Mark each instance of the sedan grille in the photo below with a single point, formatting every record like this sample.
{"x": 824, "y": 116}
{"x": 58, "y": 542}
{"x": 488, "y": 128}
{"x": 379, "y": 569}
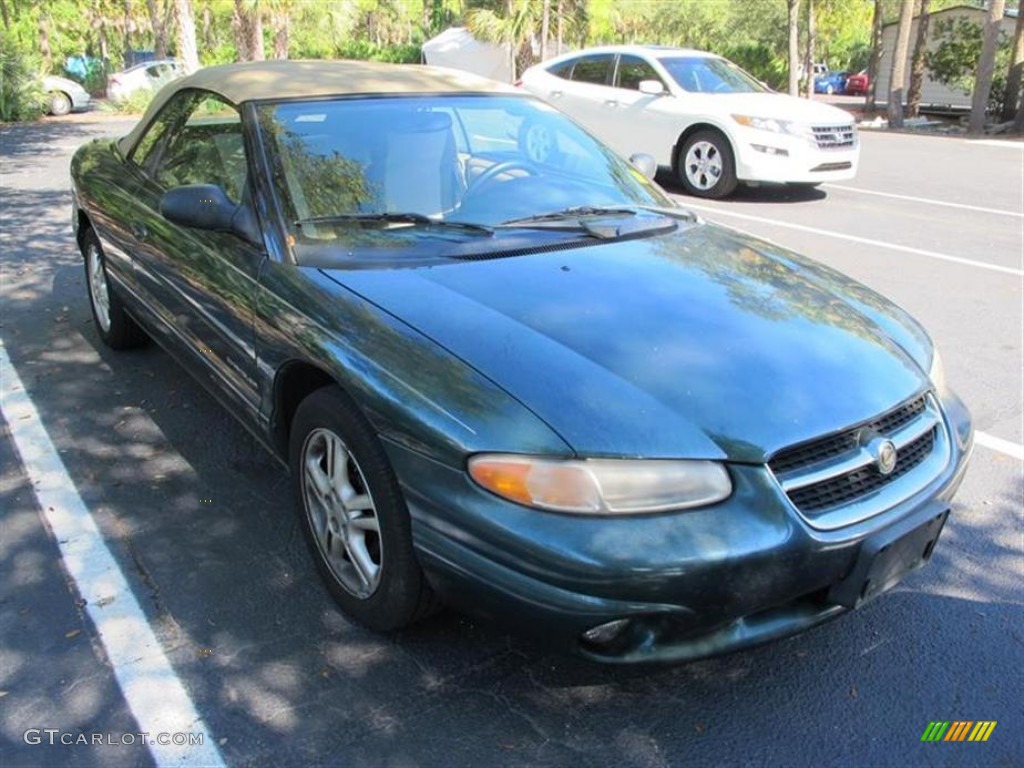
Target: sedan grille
{"x": 835, "y": 136}
{"x": 836, "y": 480}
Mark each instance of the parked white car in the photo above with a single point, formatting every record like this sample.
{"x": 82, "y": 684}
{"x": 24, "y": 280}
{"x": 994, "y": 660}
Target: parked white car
{"x": 699, "y": 114}
{"x": 63, "y": 95}
{"x": 151, "y": 74}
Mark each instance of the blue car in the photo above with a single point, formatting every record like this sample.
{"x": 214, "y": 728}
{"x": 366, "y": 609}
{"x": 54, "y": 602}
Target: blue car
{"x": 830, "y": 83}
{"x": 507, "y": 372}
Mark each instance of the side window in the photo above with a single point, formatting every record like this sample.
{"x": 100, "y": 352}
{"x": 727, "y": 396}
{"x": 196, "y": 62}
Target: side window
{"x": 563, "y": 70}
{"x": 633, "y": 69}
{"x": 147, "y": 151}
{"x": 593, "y": 69}
{"x": 207, "y": 149}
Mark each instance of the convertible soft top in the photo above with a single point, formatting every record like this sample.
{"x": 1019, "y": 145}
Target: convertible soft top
{"x": 255, "y": 81}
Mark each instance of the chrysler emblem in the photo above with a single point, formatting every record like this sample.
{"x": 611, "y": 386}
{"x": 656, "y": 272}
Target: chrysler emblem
{"x": 885, "y": 456}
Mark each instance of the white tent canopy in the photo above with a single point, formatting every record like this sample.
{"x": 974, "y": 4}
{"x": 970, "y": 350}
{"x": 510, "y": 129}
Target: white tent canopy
{"x": 458, "y": 49}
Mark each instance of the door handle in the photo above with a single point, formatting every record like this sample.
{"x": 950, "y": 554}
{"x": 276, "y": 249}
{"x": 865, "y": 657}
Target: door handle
{"x": 139, "y": 230}
{"x": 611, "y": 103}
{"x": 555, "y": 94}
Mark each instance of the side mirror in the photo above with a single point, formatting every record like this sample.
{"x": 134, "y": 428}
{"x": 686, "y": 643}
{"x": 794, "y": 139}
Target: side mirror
{"x": 644, "y": 163}
{"x": 651, "y": 87}
{"x": 206, "y": 206}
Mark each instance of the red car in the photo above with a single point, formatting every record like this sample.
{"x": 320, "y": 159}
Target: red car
{"x": 857, "y": 85}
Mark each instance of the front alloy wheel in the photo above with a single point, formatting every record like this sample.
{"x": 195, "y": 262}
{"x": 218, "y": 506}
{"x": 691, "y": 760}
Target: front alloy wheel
{"x": 706, "y": 166}
{"x": 341, "y": 513}
{"x": 353, "y": 514}
{"x": 116, "y": 328}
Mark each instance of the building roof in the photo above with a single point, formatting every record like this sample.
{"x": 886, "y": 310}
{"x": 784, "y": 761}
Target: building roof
{"x": 272, "y": 80}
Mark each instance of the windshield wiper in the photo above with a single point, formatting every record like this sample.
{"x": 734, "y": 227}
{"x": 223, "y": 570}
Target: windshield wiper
{"x": 388, "y": 217}
{"x": 576, "y": 212}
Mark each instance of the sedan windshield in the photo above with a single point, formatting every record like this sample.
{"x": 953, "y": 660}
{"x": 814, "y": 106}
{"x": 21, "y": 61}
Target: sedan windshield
{"x": 400, "y": 169}
{"x": 706, "y": 74}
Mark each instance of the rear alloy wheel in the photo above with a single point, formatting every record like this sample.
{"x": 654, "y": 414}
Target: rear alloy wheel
{"x": 353, "y": 514}
{"x": 116, "y": 328}
{"x": 706, "y": 166}
{"x": 60, "y": 103}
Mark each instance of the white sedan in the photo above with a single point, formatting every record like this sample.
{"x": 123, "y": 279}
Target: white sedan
{"x": 702, "y": 116}
{"x": 151, "y": 75}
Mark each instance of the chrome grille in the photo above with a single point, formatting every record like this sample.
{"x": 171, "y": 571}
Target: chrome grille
{"x": 834, "y": 136}
{"x": 834, "y": 480}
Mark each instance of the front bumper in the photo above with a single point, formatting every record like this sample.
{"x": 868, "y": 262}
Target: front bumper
{"x": 776, "y": 158}
{"x": 692, "y": 584}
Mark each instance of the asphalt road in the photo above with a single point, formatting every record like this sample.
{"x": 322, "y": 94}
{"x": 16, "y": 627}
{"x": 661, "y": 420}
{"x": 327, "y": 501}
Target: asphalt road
{"x": 198, "y": 519}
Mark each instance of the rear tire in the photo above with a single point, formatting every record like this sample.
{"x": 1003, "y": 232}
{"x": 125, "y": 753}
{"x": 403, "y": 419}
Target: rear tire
{"x": 116, "y": 328}
{"x": 706, "y": 165}
{"x": 353, "y": 514}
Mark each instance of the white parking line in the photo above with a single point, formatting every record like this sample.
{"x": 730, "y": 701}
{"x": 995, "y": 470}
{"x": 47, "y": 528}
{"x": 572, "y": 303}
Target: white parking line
{"x": 155, "y": 694}
{"x": 929, "y": 201}
{"x": 1013, "y": 450}
{"x": 855, "y": 239}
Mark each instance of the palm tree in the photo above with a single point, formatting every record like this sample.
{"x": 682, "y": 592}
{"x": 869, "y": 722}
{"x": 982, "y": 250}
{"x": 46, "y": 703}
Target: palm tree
{"x": 810, "y": 49}
{"x": 1013, "y": 104}
{"x": 248, "y": 24}
{"x": 794, "y": 47}
{"x": 159, "y": 22}
{"x": 898, "y": 74}
{"x": 875, "y": 62}
{"x": 516, "y": 28}
{"x": 986, "y": 65}
{"x": 187, "y": 51}
{"x": 917, "y": 59}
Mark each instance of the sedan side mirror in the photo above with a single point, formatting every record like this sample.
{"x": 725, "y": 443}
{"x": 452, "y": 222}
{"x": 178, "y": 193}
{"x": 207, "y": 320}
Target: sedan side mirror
{"x": 206, "y": 206}
{"x": 651, "y": 87}
{"x": 644, "y": 163}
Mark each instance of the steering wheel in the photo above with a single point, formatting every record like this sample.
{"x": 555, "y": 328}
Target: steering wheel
{"x": 488, "y": 176}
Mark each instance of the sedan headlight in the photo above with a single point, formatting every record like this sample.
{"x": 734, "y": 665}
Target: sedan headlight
{"x": 602, "y": 486}
{"x": 787, "y": 127}
{"x": 937, "y": 373}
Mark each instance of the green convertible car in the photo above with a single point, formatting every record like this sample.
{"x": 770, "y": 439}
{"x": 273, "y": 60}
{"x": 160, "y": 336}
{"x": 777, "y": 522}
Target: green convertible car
{"x": 506, "y": 371}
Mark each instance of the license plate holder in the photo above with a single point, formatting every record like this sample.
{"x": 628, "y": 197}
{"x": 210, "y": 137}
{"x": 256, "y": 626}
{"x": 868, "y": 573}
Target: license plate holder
{"x": 888, "y": 556}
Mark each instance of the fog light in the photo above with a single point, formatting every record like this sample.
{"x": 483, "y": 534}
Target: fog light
{"x": 603, "y": 634}
{"x": 771, "y": 150}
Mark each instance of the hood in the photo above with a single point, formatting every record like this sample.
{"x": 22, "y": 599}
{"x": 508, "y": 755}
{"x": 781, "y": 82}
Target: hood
{"x": 701, "y": 344}
{"x": 780, "y": 106}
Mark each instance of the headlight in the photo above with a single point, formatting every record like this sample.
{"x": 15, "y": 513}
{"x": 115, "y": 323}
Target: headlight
{"x": 937, "y": 373}
{"x": 775, "y": 126}
{"x": 601, "y": 486}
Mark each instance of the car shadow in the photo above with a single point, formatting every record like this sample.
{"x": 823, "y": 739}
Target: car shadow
{"x": 763, "y": 193}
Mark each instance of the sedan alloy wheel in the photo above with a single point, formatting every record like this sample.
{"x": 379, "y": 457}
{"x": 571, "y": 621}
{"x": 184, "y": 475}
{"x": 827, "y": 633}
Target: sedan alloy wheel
{"x": 706, "y": 166}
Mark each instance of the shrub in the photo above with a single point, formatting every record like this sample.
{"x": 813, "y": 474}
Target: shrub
{"x": 135, "y": 104}
{"x": 21, "y": 91}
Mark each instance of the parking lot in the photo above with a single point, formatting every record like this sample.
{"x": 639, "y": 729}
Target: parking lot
{"x": 198, "y": 519}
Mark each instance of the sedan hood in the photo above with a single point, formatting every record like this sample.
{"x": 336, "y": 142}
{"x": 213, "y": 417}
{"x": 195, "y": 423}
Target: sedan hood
{"x": 702, "y": 344}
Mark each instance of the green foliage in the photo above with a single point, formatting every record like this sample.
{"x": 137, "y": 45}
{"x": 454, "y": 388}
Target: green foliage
{"x": 366, "y": 51}
{"x": 954, "y": 61}
{"x": 135, "y": 104}
{"x": 21, "y": 92}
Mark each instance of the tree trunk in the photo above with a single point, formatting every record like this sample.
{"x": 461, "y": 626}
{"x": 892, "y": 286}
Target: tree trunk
{"x": 986, "y": 65}
{"x": 917, "y": 60}
{"x": 156, "y": 21}
{"x": 188, "y": 54}
{"x": 1014, "y": 102}
{"x": 511, "y": 43}
{"x": 875, "y": 62}
{"x": 4, "y": 13}
{"x": 128, "y": 26}
{"x": 794, "y": 47}
{"x": 898, "y": 73}
{"x": 810, "y": 49}
{"x": 559, "y": 26}
{"x": 208, "y": 40}
{"x": 545, "y": 26}
{"x": 282, "y": 30}
{"x": 44, "y": 43}
{"x": 248, "y": 24}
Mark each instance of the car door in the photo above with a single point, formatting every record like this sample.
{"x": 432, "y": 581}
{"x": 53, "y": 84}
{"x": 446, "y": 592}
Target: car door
{"x": 203, "y": 284}
{"x": 642, "y": 122}
{"x": 583, "y": 94}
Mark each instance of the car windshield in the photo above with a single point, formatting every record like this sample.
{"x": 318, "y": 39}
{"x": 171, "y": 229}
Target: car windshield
{"x": 706, "y": 74}
{"x": 404, "y": 168}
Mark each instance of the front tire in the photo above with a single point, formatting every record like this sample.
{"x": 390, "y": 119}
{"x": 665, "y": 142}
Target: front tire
{"x": 60, "y": 104}
{"x": 116, "y": 328}
{"x": 706, "y": 165}
{"x": 353, "y": 514}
